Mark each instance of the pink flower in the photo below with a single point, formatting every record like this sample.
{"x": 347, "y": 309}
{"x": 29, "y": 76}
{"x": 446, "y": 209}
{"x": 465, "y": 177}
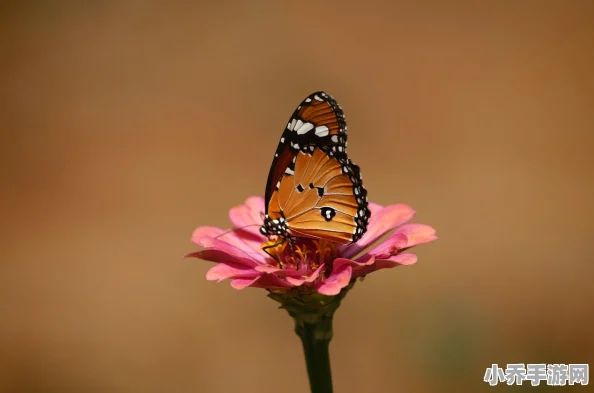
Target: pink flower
{"x": 311, "y": 263}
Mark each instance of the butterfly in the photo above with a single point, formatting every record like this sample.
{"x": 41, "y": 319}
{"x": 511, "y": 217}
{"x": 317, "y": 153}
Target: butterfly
{"x": 313, "y": 189}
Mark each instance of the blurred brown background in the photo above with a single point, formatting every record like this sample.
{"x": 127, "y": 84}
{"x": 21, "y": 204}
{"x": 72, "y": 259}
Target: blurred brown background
{"x": 126, "y": 124}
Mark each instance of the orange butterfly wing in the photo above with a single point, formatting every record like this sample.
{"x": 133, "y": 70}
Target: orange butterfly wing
{"x": 314, "y": 190}
{"x": 317, "y": 201}
{"x": 318, "y": 120}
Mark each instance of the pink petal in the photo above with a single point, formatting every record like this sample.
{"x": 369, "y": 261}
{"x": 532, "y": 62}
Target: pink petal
{"x": 405, "y": 237}
{"x": 365, "y": 260}
{"x": 417, "y": 234}
{"x": 394, "y": 242}
{"x": 256, "y": 203}
{"x": 268, "y": 269}
{"x": 315, "y": 274}
{"x": 205, "y": 232}
{"x": 220, "y": 256}
{"x": 248, "y": 255}
{"x": 392, "y": 261}
{"x": 278, "y": 271}
{"x": 250, "y": 213}
{"x": 396, "y": 260}
{"x": 380, "y": 223}
{"x": 338, "y": 279}
{"x": 297, "y": 281}
{"x": 374, "y": 208}
{"x": 270, "y": 281}
{"x": 222, "y": 271}
{"x": 206, "y": 236}
{"x": 241, "y": 283}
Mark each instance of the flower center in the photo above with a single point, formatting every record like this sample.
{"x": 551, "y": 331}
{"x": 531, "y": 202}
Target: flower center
{"x": 302, "y": 254}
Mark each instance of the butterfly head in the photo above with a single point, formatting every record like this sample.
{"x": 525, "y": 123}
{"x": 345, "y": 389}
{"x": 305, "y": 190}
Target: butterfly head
{"x": 274, "y": 227}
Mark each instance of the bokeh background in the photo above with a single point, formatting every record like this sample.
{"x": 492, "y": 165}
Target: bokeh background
{"x": 126, "y": 124}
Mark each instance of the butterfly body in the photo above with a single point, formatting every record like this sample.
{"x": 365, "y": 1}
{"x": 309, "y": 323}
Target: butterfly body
{"x": 314, "y": 190}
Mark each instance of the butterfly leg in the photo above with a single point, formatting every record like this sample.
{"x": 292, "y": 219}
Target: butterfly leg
{"x": 273, "y": 246}
{"x": 291, "y": 244}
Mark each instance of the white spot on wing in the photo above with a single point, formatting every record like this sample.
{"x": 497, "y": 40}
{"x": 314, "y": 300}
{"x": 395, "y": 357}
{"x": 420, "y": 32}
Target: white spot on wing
{"x": 304, "y": 128}
{"x": 298, "y": 125}
{"x": 334, "y": 138}
{"x": 322, "y": 131}
{"x": 283, "y": 140}
{"x": 308, "y": 99}
{"x": 292, "y": 125}
{"x": 288, "y": 171}
{"x": 318, "y": 98}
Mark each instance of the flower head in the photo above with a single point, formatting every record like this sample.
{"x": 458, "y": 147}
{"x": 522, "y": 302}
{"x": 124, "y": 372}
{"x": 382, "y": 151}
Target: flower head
{"x": 308, "y": 265}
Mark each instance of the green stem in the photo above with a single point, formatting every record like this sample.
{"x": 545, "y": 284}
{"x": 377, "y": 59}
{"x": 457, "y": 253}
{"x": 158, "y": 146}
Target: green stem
{"x": 313, "y": 313}
{"x": 316, "y": 340}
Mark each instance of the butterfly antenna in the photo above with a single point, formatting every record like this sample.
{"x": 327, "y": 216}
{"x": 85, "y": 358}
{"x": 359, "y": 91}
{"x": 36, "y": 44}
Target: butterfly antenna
{"x": 236, "y": 229}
